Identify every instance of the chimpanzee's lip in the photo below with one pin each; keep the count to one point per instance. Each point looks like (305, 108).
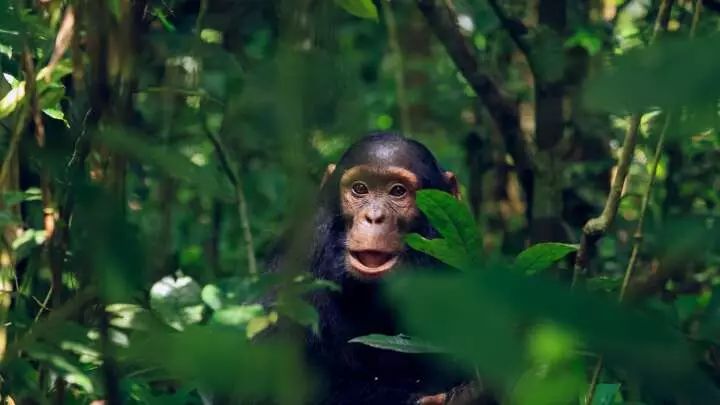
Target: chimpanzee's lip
(372, 261)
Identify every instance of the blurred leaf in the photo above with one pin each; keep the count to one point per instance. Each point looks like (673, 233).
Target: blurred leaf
(178, 301)
(10, 198)
(359, 8)
(27, 241)
(61, 362)
(259, 324)
(550, 344)
(539, 388)
(299, 311)
(685, 68)
(212, 296)
(476, 316)
(605, 394)
(129, 316)
(237, 315)
(591, 42)
(541, 256)
(230, 366)
(172, 162)
(397, 343)
(604, 283)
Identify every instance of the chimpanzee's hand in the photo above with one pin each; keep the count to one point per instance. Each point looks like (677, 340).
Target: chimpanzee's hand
(466, 394)
(438, 399)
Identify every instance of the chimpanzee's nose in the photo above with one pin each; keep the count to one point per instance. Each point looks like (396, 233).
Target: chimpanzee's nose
(375, 215)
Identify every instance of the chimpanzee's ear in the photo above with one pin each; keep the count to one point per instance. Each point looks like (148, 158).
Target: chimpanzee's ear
(328, 173)
(454, 186)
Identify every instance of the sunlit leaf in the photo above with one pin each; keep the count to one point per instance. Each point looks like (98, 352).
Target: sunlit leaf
(550, 344)
(177, 300)
(237, 315)
(360, 8)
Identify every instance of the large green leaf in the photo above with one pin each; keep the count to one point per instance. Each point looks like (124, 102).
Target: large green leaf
(360, 8)
(541, 256)
(475, 316)
(460, 242)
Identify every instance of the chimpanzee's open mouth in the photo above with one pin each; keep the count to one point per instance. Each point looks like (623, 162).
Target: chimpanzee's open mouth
(372, 261)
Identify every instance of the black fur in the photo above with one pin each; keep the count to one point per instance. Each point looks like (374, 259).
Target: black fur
(352, 373)
(356, 374)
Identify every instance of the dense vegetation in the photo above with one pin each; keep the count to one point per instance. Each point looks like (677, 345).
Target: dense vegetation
(153, 151)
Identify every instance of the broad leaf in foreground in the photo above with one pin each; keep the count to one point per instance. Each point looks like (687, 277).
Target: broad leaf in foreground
(460, 242)
(476, 316)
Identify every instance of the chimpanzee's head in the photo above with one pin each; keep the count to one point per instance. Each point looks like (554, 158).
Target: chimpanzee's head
(371, 195)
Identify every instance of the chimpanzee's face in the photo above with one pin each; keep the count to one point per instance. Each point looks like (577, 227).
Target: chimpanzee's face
(378, 204)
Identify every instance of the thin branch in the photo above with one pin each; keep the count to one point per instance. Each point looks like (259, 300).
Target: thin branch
(643, 208)
(234, 177)
(596, 227)
(443, 22)
(396, 52)
(515, 30)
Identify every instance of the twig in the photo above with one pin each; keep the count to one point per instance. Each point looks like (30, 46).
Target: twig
(513, 28)
(443, 22)
(397, 67)
(234, 177)
(596, 227)
(643, 208)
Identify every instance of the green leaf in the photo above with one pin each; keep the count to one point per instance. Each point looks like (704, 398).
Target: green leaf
(605, 394)
(237, 315)
(542, 256)
(55, 113)
(212, 296)
(397, 343)
(460, 245)
(439, 249)
(448, 216)
(178, 301)
(300, 312)
(10, 198)
(360, 8)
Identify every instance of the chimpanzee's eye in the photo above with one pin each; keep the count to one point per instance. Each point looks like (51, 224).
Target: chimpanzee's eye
(398, 190)
(359, 188)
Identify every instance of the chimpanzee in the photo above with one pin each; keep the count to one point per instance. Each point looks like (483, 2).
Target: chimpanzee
(366, 206)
